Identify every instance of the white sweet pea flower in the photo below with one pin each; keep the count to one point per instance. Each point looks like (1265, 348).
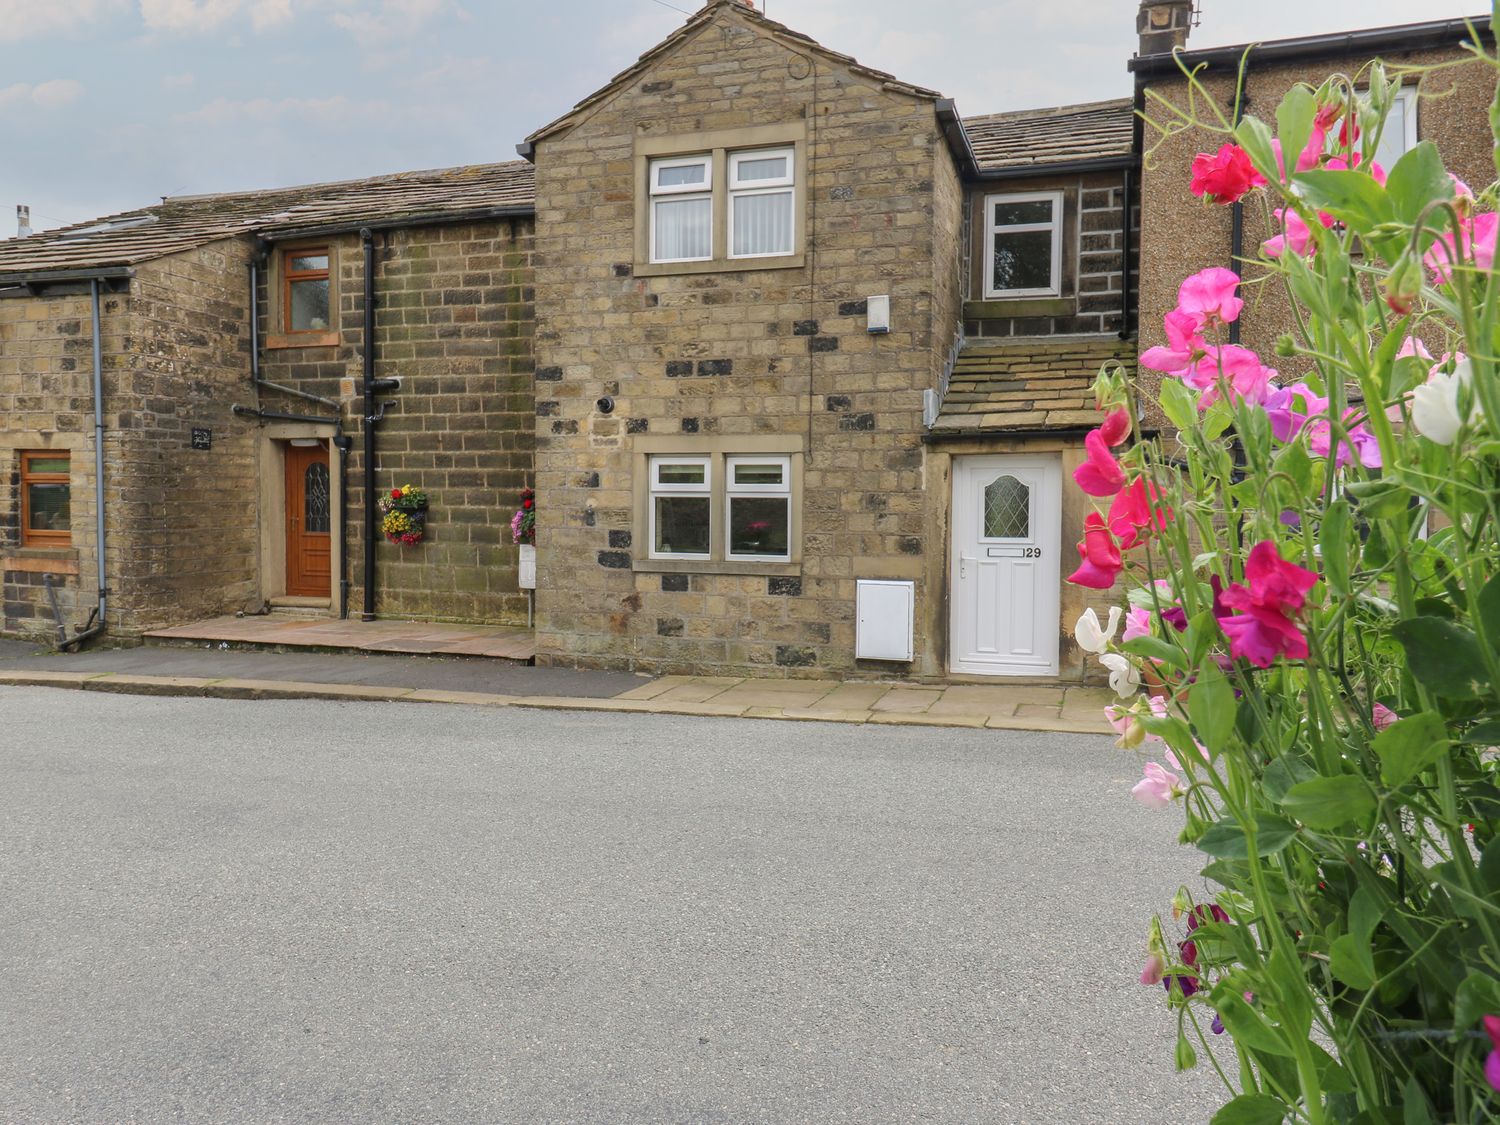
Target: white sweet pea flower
(1435, 404)
(1123, 675)
(1093, 637)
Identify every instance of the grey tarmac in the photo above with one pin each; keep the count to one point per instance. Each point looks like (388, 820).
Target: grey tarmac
(219, 910)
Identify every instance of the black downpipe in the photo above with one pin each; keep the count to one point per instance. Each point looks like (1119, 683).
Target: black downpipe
(1236, 252)
(1127, 242)
(342, 442)
(368, 238)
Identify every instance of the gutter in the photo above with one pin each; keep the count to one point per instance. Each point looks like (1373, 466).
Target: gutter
(1407, 37)
(945, 437)
(41, 277)
(957, 137)
(1061, 168)
(431, 219)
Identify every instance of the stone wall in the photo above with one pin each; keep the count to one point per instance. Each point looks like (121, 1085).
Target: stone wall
(46, 403)
(454, 322)
(1093, 261)
(735, 357)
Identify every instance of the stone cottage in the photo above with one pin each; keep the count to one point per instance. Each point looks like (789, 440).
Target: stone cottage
(813, 357)
(213, 357)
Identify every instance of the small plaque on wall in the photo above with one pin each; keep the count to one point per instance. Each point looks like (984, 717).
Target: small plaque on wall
(203, 439)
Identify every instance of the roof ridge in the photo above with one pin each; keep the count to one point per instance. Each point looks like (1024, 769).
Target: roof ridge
(326, 185)
(1052, 110)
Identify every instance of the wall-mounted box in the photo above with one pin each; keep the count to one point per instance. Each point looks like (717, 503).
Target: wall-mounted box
(885, 613)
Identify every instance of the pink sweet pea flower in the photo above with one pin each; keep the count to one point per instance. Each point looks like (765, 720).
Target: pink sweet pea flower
(1157, 789)
(1248, 379)
(1185, 345)
(1100, 474)
(1340, 164)
(1382, 717)
(1100, 554)
(1296, 235)
(1154, 969)
(1414, 347)
(1289, 408)
(1277, 591)
(1224, 176)
(1359, 442)
(1476, 242)
(1208, 296)
(1137, 624)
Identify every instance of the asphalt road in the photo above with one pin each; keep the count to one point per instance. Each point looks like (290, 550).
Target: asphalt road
(254, 911)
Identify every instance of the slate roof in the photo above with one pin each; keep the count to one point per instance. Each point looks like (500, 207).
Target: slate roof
(1059, 135)
(183, 222)
(696, 23)
(1034, 384)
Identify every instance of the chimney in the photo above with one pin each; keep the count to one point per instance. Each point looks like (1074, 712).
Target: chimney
(23, 220)
(1164, 25)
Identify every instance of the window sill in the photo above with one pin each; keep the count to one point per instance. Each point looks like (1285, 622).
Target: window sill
(302, 340)
(717, 566)
(996, 308)
(719, 265)
(58, 551)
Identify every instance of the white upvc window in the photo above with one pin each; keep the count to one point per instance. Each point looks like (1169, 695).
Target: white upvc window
(681, 507)
(758, 493)
(761, 196)
(1400, 133)
(1023, 244)
(682, 209)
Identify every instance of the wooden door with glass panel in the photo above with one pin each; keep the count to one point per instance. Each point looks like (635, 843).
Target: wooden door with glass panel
(309, 513)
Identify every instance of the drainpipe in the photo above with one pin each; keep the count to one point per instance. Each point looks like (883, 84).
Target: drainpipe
(342, 443)
(99, 618)
(1127, 248)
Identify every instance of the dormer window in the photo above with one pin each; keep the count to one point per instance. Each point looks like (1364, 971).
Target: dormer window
(1023, 237)
(682, 209)
(305, 273)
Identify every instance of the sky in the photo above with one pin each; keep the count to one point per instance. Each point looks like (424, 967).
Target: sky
(106, 105)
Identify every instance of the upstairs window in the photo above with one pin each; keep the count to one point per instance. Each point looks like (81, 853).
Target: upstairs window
(46, 499)
(305, 290)
(1023, 236)
(682, 209)
(1399, 136)
(761, 199)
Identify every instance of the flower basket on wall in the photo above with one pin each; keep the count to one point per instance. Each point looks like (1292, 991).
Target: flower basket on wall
(404, 515)
(523, 534)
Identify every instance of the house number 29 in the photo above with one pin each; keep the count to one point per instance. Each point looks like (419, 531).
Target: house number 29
(1031, 552)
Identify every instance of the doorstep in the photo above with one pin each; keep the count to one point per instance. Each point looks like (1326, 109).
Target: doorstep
(309, 633)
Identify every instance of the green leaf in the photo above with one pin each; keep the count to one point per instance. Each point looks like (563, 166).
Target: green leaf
(1443, 657)
(1294, 121)
(1333, 537)
(1212, 708)
(1416, 1111)
(1410, 746)
(1328, 802)
(1179, 404)
(1285, 772)
(1226, 839)
(1254, 136)
(1247, 1025)
(1156, 648)
(1351, 960)
(1295, 463)
(1478, 995)
(1365, 912)
(1379, 499)
(1351, 196)
(1489, 611)
(1417, 180)
(1489, 866)
(1251, 1109)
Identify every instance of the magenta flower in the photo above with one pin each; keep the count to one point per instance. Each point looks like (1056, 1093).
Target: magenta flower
(1295, 235)
(1358, 444)
(1308, 158)
(1240, 368)
(1382, 717)
(1224, 176)
(1100, 554)
(1136, 511)
(1289, 408)
(1116, 428)
(1492, 1060)
(1265, 627)
(1208, 296)
(1476, 241)
(1100, 474)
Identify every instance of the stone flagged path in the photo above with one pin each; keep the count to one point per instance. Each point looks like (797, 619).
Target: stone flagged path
(310, 674)
(433, 638)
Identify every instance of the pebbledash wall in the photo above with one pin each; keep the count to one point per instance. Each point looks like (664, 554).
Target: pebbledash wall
(454, 323)
(1181, 235)
(174, 350)
(742, 360)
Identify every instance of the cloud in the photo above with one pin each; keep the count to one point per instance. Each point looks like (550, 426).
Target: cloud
(44, 95)
(198, 16)
(178, 81)
(23, 19)
(393, 19)
(303, 112)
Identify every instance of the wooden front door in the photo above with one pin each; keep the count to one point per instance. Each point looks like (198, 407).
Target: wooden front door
(309, 515)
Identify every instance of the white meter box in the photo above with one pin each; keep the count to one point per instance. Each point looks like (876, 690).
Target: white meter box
(886, 611)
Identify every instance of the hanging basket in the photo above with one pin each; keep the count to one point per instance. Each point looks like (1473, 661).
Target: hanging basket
(404, 516)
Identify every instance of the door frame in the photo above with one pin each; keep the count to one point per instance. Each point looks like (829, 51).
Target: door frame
(1051, 536)
(272, 457)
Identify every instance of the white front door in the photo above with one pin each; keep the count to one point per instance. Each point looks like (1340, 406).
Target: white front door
(1007, 541)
